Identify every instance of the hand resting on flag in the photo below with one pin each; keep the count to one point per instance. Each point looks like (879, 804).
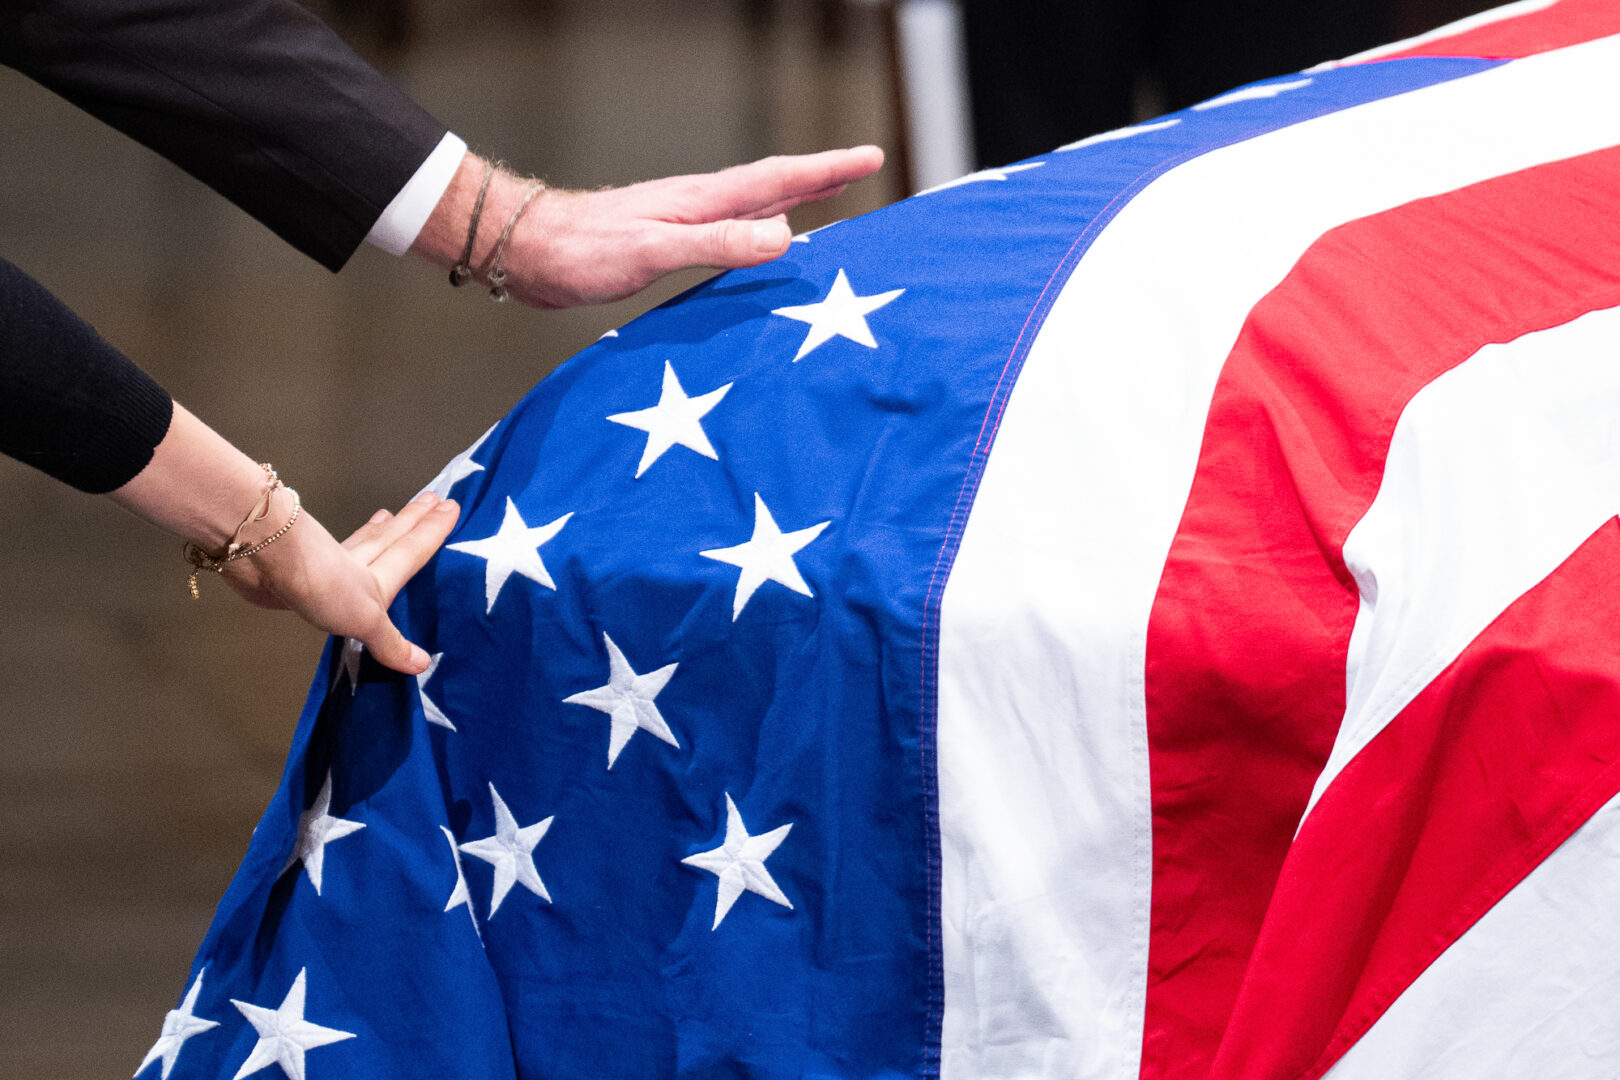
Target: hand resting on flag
(592, 247)
(197, 485)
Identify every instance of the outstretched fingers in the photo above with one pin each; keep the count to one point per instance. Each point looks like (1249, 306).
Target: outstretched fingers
(372, 538)
(784, 182)
(407, 550)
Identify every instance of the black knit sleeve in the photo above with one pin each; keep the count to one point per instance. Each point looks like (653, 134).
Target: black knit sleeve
(71, 405)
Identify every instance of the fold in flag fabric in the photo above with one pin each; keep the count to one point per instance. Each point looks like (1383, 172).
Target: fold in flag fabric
(1146, 612)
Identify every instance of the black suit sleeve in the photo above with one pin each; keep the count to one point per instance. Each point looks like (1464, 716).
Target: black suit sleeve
(256, 98)
(71, 404)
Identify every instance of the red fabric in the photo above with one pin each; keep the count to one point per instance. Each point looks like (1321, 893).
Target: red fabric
(1249, 631)
(1568, 22)
(1493, 766)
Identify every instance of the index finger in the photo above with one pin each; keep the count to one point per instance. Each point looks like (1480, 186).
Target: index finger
(745, 190)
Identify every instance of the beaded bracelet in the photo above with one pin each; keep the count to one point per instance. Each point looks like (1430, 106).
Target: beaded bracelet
(201, 560)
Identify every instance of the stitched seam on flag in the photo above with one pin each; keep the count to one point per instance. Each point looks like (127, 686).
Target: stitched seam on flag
(1494, 888)
(929, 680)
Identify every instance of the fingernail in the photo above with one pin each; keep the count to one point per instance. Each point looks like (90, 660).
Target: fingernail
(426, 497)
(378, 518)
(448, 506)
(771, 236)
(419, 658)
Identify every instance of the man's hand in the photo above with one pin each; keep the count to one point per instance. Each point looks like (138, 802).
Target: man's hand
(590, 247)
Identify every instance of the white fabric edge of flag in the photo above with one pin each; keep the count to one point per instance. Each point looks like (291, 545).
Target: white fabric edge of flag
(1451, 29)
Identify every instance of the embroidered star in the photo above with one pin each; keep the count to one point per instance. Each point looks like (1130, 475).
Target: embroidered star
(628, 700)
(459, 468)
(349, 664)
(284, 1035)
(514, 549)
(840, 314)
(511, 852)
(673, 420)
(317, 828)
(739, 863)
(999, 173)
(1121, 133)
(1251, 93)
(178, 1026)
(459, 895)
(430, 710)
(767, 556)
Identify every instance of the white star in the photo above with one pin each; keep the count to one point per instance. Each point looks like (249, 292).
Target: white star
(767, 556)
(628, 700)
(349, 664)
(316, 829)
(999, 173)
(1251, 93)
(178, 1026)
(673, 420)
(840, 314)
(739, 863)
(514, 549)
(430, 710)
(459, 895)
(1121, 133)
(459, 468)
(284, 1034)
(511, 852)
(610, 333)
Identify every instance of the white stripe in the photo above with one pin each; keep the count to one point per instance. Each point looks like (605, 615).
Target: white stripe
(1461, 26)
(1498, 470)
(1531, 990)
(1044, 811)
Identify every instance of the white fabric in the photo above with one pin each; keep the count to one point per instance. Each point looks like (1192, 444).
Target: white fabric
(1044, 798)
(1497, 472)
(1528, 991)
(1452, 29)
(402, 219)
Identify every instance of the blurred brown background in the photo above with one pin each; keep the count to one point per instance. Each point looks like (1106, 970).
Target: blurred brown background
(141, 733)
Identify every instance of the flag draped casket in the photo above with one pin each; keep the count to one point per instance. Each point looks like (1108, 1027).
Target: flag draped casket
(1146, 611)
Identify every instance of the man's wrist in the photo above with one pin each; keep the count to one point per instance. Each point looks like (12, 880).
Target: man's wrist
(403, 219)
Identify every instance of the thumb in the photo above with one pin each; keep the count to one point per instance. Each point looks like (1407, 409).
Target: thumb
(390, 649)
(735, 243)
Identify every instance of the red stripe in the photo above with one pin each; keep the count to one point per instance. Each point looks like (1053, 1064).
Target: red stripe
(1566, 23)
(1249, 631)
(1488, 770)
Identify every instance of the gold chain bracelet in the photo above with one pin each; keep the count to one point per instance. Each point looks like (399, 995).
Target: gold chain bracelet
(201, 560)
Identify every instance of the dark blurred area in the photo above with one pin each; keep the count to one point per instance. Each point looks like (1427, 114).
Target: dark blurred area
(1042, 73)
(144, 732)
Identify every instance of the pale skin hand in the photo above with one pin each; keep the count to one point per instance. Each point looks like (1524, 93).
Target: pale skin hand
(590, 247)
(198, 486)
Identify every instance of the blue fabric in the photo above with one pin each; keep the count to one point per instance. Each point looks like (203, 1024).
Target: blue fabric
(815, 711)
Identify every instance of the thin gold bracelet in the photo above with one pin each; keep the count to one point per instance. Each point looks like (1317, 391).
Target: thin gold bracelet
(201, 560)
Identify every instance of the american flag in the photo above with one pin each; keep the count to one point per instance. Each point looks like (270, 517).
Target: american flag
(1149, 611)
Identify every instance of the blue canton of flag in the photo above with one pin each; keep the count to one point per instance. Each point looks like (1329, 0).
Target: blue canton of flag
(665, 802)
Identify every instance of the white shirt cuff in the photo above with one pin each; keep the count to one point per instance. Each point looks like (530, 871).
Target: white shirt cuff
(402, 219)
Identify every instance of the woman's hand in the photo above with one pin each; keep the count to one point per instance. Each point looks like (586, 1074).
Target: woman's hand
(345, 589)
(198, 487)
